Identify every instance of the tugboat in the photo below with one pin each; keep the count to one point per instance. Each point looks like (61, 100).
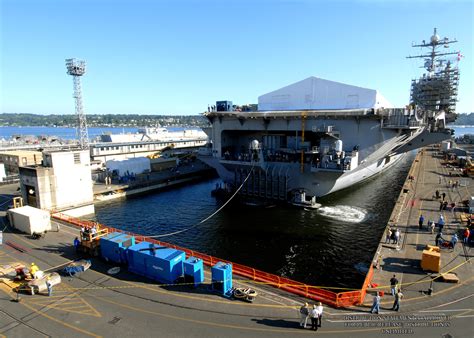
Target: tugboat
(299, 198)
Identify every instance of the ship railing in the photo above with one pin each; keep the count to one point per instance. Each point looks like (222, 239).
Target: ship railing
(330, 168)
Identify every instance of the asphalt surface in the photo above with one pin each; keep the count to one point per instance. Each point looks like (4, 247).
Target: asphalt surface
(96, 303)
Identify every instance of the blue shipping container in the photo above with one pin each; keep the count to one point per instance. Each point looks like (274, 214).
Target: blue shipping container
(193, 271)
(156, 262)
(222, 278)
(113, 245)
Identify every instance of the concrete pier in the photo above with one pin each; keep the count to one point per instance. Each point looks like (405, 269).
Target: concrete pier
(428, 174)
(153, 181)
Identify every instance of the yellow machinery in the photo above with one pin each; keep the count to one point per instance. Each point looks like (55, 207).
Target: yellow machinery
(469, 169)
(431, 259)
(17, 202)
(90, 242)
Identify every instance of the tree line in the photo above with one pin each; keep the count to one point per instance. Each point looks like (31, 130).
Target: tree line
(464, 120)
(99, 120)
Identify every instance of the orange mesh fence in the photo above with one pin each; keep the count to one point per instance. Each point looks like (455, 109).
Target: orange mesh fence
(367, 282)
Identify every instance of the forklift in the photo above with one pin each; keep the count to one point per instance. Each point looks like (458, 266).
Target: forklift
(90, 242)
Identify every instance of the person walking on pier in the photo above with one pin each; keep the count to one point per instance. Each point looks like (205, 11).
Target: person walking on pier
(376, 304)
(49, 286)
(393, 285)
(397, 236)
(388, 235)
(441, 222)
(454, 240)
(444, 195)
(314, 318)
(76, 244)
(320, 313)
(439, 239)
(304, 312)
(420, 222)
(467, 233)
(398, 298)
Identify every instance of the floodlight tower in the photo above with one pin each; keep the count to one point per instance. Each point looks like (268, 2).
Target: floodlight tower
(77, 68)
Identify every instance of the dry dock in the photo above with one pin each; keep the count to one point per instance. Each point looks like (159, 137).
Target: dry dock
(122, 305)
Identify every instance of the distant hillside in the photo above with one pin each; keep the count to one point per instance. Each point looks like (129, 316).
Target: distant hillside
(95, 120)
(464, 120)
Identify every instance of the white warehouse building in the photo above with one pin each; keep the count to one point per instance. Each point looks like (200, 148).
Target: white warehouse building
(62, 183)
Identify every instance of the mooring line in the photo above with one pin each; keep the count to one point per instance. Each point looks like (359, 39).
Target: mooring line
(210, 216)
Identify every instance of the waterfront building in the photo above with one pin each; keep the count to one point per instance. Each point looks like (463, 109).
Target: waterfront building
(17, 158)
(62, 183)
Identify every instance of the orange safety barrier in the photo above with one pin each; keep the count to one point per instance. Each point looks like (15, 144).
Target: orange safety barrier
(341, 299)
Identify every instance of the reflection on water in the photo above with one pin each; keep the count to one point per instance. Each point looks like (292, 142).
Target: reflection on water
(317, 247)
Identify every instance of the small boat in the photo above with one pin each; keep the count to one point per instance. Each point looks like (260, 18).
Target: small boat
(299, 198)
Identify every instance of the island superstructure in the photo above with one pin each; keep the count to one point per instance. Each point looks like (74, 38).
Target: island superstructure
(323, 136)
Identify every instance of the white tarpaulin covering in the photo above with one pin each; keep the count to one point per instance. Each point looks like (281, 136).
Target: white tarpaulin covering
(130, 166)
(315, 93)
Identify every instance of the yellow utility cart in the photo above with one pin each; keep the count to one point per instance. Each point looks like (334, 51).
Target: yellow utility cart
(90, 242)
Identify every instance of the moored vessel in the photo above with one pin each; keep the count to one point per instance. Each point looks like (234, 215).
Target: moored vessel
(324, 136)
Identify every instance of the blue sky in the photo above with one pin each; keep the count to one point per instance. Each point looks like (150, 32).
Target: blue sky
(176, 57)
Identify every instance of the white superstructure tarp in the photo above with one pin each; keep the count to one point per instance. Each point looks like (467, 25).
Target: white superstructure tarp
(316, 93)
(130, 166)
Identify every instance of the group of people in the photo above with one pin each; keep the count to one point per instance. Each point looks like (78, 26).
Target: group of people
(431, 224)
(392, 236)
(453, 184)
(395, 291)
(315, 314)
(442, 242)
(438, 195)
(86, 231)
(34, 272)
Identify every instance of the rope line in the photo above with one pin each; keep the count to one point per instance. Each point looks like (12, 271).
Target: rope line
(210, 216)
(252, 282)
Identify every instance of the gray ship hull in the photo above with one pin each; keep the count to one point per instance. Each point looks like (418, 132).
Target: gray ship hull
(338, 148)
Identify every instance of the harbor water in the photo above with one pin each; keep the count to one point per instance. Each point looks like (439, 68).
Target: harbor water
(331, 247)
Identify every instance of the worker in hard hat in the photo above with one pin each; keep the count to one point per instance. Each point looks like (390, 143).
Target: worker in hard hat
(33, 269)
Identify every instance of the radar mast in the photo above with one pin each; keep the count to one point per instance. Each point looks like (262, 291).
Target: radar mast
(437, 89)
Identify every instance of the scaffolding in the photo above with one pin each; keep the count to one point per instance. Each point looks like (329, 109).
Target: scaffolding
(437, 89)
(77, 68)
